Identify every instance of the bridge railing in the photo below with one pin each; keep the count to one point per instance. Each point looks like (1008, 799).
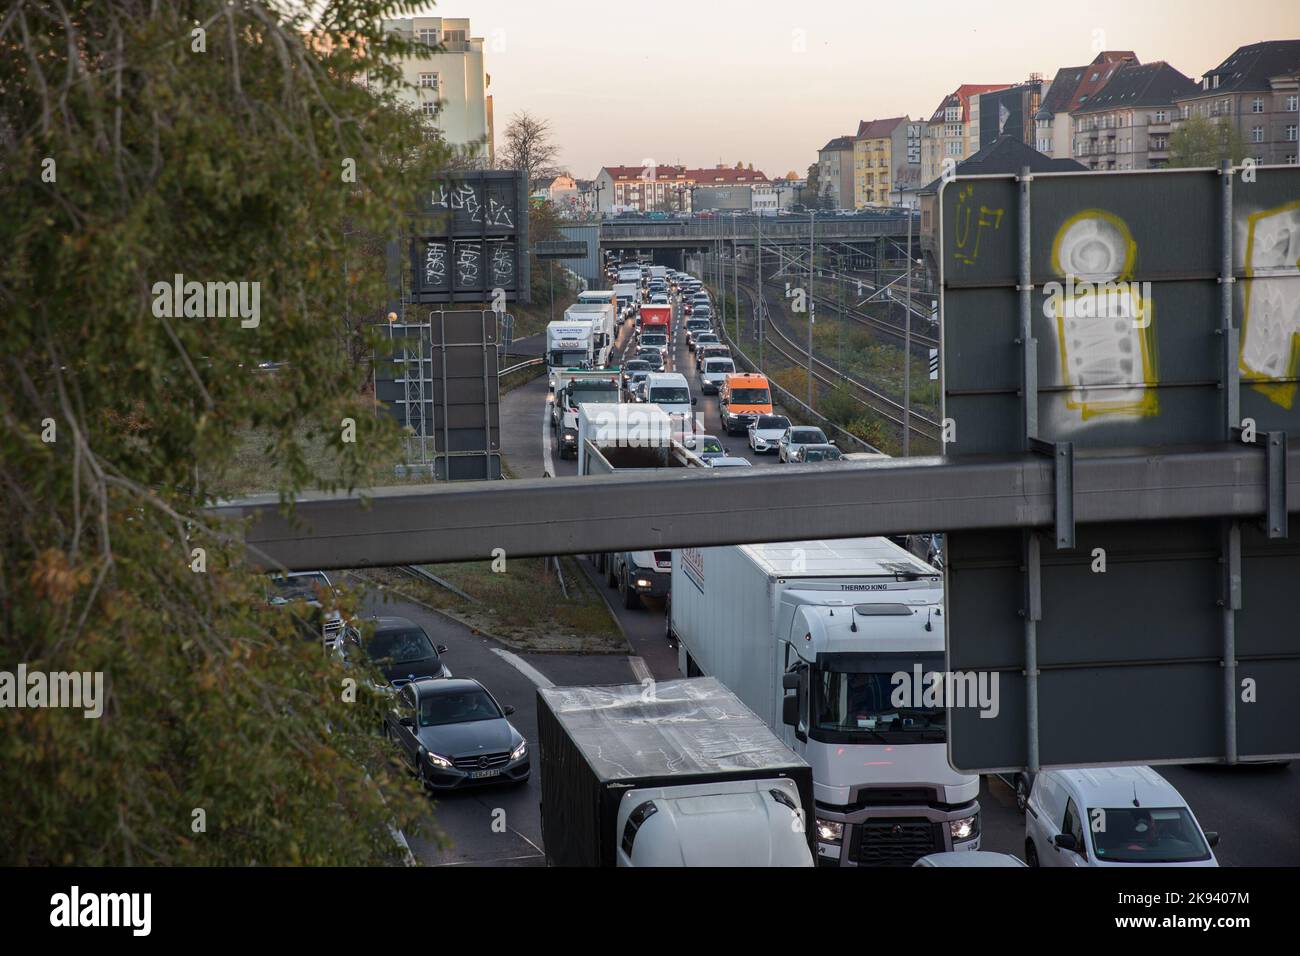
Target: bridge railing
(723, 228)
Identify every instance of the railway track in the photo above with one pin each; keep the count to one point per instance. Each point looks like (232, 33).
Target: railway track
(880, 403)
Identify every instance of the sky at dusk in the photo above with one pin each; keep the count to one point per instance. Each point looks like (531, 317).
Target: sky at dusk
(769, 83)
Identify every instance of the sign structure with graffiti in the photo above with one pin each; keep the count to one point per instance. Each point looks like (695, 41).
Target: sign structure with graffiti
(470, 239)
(1163, 310)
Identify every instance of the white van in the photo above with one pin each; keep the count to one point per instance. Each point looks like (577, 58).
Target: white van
(671, 392)
(1112, 816)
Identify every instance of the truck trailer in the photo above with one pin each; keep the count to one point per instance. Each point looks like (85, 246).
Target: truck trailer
(818, 638)
(675, 773)
(604, 320)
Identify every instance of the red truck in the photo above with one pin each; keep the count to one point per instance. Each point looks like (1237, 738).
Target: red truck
(657, 315)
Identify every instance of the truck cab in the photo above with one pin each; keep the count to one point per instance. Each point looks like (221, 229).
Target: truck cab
(568, 345)
(575, 389)
(845, 662)
(671, 392)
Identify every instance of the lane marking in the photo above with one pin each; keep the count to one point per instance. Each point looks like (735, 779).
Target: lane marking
(639, 669)
(525, 668)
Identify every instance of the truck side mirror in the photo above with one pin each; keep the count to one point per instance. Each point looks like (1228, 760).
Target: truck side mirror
(790, 681)
(790, 710)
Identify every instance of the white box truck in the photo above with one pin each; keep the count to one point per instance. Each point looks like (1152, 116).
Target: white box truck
(817, 638)
(629, 297)
(569, 345)
(604, 319)
(679, 773)
(639, 438)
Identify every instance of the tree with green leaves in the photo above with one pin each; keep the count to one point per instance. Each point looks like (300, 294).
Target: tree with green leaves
(146, 146)
(1199, 141)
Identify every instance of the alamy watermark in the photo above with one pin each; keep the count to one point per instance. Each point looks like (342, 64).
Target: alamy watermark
(210, 300)
(921, 688)
(80, 690)
(1109, 299)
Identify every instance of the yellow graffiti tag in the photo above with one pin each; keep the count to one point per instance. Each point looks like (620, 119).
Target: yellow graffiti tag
(1105, 331)
(968, 245)
(1269, 356)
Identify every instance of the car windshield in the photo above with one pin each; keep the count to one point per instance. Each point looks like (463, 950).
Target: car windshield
(671, 395)
(821, 454)
(1143, 835)
(862, 703)
(719, 365)
(300, 587)
(400, 646)
(750, 396)
(709, 446)
(457, 707)
(636, 365)
(770, 422)
(807, 436)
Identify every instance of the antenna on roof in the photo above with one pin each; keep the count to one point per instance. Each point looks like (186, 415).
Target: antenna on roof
(1135, 795)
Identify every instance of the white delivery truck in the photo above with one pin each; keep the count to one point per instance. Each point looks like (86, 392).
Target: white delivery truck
(681, 774)
(603, 317)
(629, 297)
(569, 344)
(573, 388)
(819, 638)
(638, 438)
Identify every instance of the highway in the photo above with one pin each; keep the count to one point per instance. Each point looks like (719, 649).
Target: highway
(1253, 808)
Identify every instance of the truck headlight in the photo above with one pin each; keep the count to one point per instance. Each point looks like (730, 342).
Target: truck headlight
(829, 831)
(520, 750)
(570, 435)
(438, 760)
(967, 828)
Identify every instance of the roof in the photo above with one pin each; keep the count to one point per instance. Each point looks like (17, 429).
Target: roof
(858, 557)
(961, 97)
(838, 143)
(726, 175)
(879, 129)
(1007, 154)
(1250, 67)
(1116, 786)
(685, 728)
(644, 172)
(1139, 84)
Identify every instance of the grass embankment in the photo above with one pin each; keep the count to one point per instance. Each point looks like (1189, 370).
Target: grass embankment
(522, 606)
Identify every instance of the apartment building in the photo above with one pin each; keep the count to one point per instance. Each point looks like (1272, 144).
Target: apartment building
(450, 82)
(950, 133)
(875, 147)
(835, 173)
(1127, 124)
(1257, 89)
(1007, 112)
(725, 187)
(643, 188)
(1072, 87)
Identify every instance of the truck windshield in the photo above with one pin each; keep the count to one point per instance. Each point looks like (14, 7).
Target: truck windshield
(849, 705)
(654, 338)
(1142, 835)
(671, 395)
(750, 396)
(591, 392)
(563, 359)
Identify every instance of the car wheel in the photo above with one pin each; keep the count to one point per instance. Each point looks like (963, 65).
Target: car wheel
(1031, 854)
(1022, 792)
(631, 600)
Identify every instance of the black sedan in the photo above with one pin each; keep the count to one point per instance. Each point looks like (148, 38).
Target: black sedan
(453, 733)
(398, 648)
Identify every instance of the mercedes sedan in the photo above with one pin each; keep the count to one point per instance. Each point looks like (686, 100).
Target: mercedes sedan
(453, 733)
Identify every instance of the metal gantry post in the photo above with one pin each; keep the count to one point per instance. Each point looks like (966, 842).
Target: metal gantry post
(735, 274)
(812, 279)
(907, 349)
(1032, 548)
(1230, 530)
(758, 284)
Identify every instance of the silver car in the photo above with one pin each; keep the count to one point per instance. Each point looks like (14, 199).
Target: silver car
(796, 436)
(715, 373)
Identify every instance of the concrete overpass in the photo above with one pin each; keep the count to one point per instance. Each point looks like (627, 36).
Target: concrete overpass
(698, 233)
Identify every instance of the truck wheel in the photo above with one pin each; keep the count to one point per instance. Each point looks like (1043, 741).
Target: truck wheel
(631, 600)
(611, 576)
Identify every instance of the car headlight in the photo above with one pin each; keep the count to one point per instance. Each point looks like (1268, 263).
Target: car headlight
(967, 828)
(570, 435)
(438, 760)
(642, 582)
(829, 831)
(520, 750)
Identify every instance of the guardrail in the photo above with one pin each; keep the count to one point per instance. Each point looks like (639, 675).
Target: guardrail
(521, 365)
(724, 228)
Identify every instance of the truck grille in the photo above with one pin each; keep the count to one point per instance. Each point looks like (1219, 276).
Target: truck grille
(895, 842)
(473, 763)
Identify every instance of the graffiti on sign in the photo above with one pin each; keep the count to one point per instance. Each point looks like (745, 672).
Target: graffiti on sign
(435, 264)
(1270, 324)
(502, 264)
(970, 218)
(468, 256)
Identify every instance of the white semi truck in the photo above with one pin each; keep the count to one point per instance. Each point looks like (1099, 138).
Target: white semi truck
(573, 388)
(604, 319)
(569, 344)
(676, 773)
(816, 638)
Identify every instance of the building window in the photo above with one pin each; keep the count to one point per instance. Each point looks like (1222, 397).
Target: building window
(1290, 133)
(1257, 105)
(1257, 134)
(1292, 103)
(455, 36)
(428, 37)
(1162, 116)
(1290, 160)
(429, 81)
(429, 108)
(1185, 110)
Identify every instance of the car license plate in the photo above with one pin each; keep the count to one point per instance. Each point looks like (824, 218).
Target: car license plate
(476, 774)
